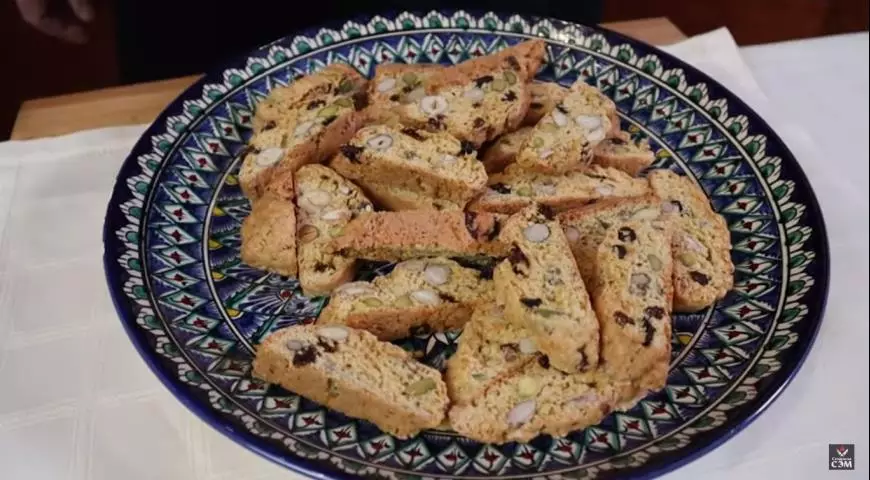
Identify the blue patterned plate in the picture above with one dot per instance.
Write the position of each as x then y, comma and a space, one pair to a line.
195, 312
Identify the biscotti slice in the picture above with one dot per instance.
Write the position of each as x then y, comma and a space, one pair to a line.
515, 189
326, 203
537, 400
354, 373
395, 236
703, 270
268, 233
490, 348
564, 139
396, 198
545, 97
622, 153
586, 226
307, 132
480, 99
504, 151
541, 289
437, 163
632, 299
422, 295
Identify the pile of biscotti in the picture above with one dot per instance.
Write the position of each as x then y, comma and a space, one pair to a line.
517, 210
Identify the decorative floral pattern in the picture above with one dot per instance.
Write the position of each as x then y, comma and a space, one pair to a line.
196, 312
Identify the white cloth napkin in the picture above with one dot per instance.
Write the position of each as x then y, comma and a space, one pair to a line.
77, 402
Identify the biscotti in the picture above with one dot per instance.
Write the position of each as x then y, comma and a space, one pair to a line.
564, 140
326, 203
480, 99
541, 289
352, 372
268, 233
504, 151
308, 131
395, 84
632, 299
622, 153
545, 97
431, 295
395, 236
537, 400
440, 165
515, 189
396, 198
490, 348
703, 271
585, 227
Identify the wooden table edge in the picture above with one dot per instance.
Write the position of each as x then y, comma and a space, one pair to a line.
141, 103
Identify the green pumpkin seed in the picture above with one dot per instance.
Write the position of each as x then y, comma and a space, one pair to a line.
549, 127
524, 191
404, 301
344, 102
511, 77
498, 85
372, 302
420, 387
329, 111
537, 142
547, 313
345, 86
410, 79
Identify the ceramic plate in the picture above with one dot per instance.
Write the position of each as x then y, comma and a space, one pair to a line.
195, 311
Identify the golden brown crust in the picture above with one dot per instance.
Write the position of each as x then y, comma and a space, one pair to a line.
503, 152
620, 152
269, 231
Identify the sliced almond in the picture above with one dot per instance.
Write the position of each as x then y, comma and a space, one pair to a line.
386, 84
560, 118
521, 413
302, 129
269, 157
604, 190
572, 233
433, 104
436, 274
475, 94
354, 289
426, 297
317, 197
380, 142
537, 232
589, 122
336, 215
294, 345
339, 334
527, 346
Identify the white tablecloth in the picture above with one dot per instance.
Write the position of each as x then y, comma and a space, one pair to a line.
76, 402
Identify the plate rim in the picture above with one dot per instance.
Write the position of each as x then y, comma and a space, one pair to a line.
706, 441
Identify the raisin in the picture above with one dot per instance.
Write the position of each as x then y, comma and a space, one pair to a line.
518, 259
413, 134
544, 361
494, 231
315, 103
605, 409
510, 96
327, 345
562, 108
654, 312
395, 97
320, 267
478, 122
248, 149
481, 81
305, 356
329, 120
352, 152
360, 100
531, 302
500, 188
418, 330
513, 62
447, 297
648, 331
546, 211
619, 250
436, 122
584, 361
617, 141
466, 147
536, 105
269, 125
622, 319
407, 89
510, 351
699, 277
476, 105
470, 219
485, 272
677, 204
626, 234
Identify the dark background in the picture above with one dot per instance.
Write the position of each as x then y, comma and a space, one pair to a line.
33, 65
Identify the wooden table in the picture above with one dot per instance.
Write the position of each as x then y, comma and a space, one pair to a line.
141, 103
